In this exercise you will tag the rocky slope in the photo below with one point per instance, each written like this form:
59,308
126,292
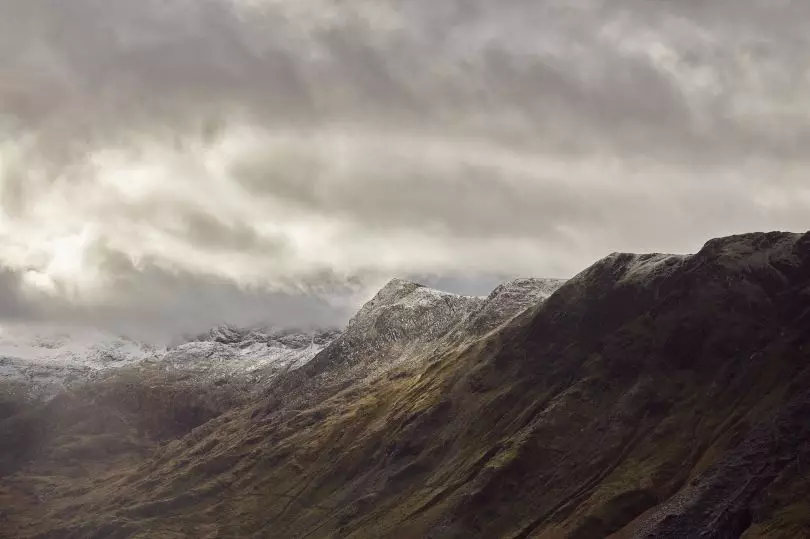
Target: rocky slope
44,359
399,329
260,353
649,396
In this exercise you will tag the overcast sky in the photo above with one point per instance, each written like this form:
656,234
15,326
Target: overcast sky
168,164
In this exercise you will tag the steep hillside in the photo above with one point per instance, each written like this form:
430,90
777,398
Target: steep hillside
76,400
649,396
400,327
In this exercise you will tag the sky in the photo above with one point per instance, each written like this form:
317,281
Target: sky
170,164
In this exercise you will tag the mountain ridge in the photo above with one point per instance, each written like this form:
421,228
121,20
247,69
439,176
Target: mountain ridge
648,396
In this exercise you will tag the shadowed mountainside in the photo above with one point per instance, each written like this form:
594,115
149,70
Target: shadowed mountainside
649,396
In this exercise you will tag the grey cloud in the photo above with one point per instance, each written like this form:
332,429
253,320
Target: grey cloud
207,231
156,303
471,194
12,304
462,139
663,78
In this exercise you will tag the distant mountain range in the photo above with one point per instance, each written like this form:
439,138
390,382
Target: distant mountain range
649,396
47,358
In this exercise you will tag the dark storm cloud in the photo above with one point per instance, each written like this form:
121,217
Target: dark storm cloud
165,160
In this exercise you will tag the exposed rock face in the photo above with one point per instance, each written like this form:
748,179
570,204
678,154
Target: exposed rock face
649,396
272,337
404,325
404,318
510,300
259,353
401,319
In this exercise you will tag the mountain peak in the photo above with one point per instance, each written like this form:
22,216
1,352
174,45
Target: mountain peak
755,250
397,283
399,291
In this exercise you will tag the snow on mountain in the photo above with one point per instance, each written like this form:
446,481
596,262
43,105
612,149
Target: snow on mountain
404,319
226,350
49,356
407,323
400,318
509,300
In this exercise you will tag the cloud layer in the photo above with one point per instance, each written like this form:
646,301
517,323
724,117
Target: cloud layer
277,159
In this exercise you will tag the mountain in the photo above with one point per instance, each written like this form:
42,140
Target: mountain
258,352
44,359
401,326
648,396
47,357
